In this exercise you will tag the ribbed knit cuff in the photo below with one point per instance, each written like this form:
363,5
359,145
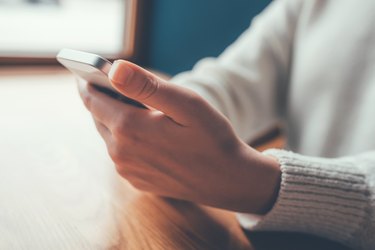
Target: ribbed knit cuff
325,197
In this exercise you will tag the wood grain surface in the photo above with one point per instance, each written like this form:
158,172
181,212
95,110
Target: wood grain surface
59,189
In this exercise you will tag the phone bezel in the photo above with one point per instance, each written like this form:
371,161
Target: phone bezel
94,69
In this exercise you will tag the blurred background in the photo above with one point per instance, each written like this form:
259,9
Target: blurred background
184,31
166,35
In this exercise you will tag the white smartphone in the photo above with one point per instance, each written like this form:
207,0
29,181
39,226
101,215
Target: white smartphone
94,69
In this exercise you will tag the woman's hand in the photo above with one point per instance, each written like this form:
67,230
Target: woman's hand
181,147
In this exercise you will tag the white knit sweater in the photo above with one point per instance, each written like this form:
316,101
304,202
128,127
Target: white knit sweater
309,65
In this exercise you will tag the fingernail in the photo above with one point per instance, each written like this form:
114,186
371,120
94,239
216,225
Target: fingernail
120,72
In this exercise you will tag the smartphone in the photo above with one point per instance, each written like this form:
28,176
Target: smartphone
93,69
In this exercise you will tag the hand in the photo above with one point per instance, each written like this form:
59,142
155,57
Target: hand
181,147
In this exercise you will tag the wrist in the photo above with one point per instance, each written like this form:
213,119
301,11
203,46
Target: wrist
264,176
274,181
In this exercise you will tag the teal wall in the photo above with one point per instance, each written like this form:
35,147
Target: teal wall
183,31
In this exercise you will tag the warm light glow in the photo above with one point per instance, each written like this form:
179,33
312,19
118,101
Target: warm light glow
32,28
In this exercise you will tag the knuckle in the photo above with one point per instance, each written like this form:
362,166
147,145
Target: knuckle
121,127
126,172
116,154
88,96
126,129
87,100
148,87
140,185
118,131
120,169
123,171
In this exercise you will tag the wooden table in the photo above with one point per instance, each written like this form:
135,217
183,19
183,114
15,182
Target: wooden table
59,189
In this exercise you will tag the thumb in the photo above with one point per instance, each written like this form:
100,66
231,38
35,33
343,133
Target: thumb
143,86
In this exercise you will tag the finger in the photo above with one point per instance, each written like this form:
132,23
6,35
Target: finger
104,108
104,132
137,83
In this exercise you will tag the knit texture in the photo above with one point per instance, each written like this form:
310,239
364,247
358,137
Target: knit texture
326,197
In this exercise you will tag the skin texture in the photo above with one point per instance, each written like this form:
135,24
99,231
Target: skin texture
180,146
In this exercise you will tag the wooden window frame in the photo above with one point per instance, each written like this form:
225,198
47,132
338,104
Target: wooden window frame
131,40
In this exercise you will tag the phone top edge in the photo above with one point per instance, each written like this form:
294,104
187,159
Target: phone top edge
84,57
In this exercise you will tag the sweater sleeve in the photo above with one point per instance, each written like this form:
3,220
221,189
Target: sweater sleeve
247,81
331,198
